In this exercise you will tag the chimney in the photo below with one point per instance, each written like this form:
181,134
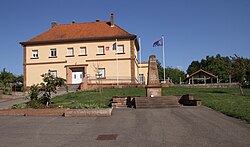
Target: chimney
73,21
97,20
53,24
112,24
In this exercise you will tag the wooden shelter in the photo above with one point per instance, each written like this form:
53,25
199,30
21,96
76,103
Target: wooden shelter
201,77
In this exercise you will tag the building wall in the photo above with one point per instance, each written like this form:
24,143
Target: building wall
44,63
34,72
143,69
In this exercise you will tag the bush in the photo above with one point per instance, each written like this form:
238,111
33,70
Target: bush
47,87
36,104
34,92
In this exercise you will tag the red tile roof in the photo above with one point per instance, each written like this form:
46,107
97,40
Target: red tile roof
198,71
201,70
80,31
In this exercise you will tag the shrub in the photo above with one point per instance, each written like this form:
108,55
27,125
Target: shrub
34,92
36,104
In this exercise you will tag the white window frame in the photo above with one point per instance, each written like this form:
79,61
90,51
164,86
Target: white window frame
102,72
53,73
120,49
70,51
34,54
53,52
100,50
141,78
83,51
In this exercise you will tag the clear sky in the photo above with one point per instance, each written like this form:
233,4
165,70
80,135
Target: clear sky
193,29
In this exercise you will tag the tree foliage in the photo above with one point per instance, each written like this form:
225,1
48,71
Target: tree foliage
173,73
6,78
223,67
47,87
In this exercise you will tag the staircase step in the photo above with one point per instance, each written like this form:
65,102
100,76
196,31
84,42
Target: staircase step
165,106
156,102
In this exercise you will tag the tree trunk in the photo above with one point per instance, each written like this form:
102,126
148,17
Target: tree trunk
241,90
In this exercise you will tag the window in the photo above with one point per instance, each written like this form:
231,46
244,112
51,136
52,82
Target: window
141,78
70,52
53,73
83,51
101,73
120,49
100,50
34,54
53,52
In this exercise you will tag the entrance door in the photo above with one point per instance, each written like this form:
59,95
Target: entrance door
77,77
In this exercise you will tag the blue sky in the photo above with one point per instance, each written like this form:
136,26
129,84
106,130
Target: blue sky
193,29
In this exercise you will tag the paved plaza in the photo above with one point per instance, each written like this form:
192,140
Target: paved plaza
181,127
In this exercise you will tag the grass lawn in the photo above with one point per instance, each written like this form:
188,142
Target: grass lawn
93,99
225,100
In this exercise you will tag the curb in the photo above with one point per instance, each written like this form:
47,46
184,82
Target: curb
58,112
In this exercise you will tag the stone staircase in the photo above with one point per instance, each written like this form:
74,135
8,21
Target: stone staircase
156,102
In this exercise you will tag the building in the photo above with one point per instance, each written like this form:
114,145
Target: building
95,51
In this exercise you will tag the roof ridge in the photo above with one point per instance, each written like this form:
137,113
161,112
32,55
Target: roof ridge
82,30
83,23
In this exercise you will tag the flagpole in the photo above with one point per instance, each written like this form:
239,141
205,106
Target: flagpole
140,49
117,74
163,57
140,55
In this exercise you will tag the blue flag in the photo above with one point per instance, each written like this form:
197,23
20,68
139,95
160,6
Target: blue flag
158,43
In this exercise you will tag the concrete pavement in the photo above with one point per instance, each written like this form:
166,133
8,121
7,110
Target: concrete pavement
9,103
181,127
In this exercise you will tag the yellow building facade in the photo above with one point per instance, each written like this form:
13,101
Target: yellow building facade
96,50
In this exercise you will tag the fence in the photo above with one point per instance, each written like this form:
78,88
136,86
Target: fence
113,80
209,85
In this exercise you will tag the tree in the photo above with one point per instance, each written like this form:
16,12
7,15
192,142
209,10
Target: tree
6,78
19,79
96,68
160,70
172,73
218,65
175,74
49,85
193,67
239,70
34,92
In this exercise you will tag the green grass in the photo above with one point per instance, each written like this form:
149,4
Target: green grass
225,100
93,99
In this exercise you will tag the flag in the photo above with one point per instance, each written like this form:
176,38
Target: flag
158,43
113,46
